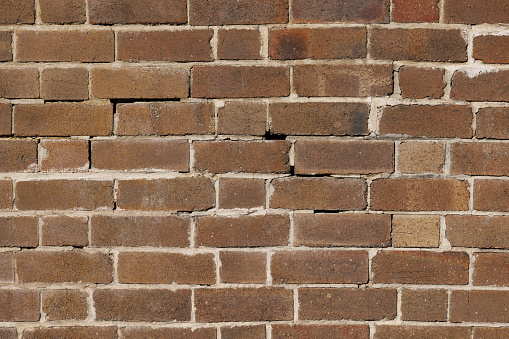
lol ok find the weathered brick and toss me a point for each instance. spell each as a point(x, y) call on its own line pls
point(319, 118)
point(154, 305)
point(491, 269)
point(415, 230)
point(8, 333)
point(320, 331)
point(5, 119)
point(319, 193)
point(6, 196)
point(69, 266)
point(243, 267)
point(164, 231)
point(6, 267)
point(61, 230)
point(343, 157)
point(364, 11)
point(134, 12)
point(491, 332)
point(82, 332)
point(5, 45)
point(18, 155)
point(241, 193)
point(491, 195)
point(240, 81)
point(239, 44)
point(61, 194)
point(487, 158)
point(492, 48)
point(476, 11)
point(168, 332)
point(421, 332)
point(242, 156)
point(477, 84)
point(243, 304)
point(247, 332)
point(64, 84)
point(19, 305)
point(421, 157)
point(420, 82)
point(492, 123)
point(19, 83)
point(347, 303)
point(244, 118)
point(63, 11)
point(189, 45)
point(64, 155)
point(478, 231)
point(420, 267)
point(409, 194)
point(19, 231)
point(479, 306)
point(343, 80)
point(182, 194)
point(415, 10)
point(64, 304)
point(17, 12)
point(243, 231)
point(424, 305)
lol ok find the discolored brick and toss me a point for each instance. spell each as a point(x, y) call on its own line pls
point(323, 11)
point(487, 158)
point(491, 48)
point(19, 83)
point(64, 84)
point(6, 267)
point(424, 305)
point(421, 332)
point(63, 11)
point(246, 332)
point(478, 231)
point(244, 118)
point(5, 119)
point(491, 269)
point(19, 231)
point(17, 12)
point(6, 197)
point(134, 12)
point(239, 44)
point(492, 122)
point(491, 195)
point(476, 11)
point(421, 157)
point(64, 155)
point(479, 306)
point(476, 84)
point(415, 10)
point(82, 332)
point(19, 305)
point(415, 230)
point(61, 230)
point(420, 82)
point(241, 193)
point(320, 331)
point(5, 45)
point(65, 304)
point(168, 332)
point(243, 267)
point(18, 155)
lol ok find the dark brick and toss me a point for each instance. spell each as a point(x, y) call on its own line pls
point(244, 118)
point(135, 12)
point(492, 49)
point(480, 84)
point(476, 11)
point(63, 11)
point(362, 11)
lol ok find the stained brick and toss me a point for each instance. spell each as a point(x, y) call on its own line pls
point(420, 82)
point(241, 193)
point(415, 10)
point(487, 158)
point(82, 332)
point(239, 44)
point(17, 12)
point(64, 155)
point(479, 306)
point(61, 230)
point(492, 122)
point(478, 231)
point(421, 332)
point(491, 269)
point(65, 304)
point(19, 305)
point(134, 12)
point(245, 118)
point(477, 84)
point(19, 83)
point(492, 49)
point(63, 11)
point(491, 195)
point(243, 267)
point(424, 305)
point(64, 84)
point(476, 11)
point(364, 11)
point(19, 231)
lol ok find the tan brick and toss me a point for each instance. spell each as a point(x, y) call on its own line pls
point(65, 304)
point(487, 158)
point(419, 82)
point(424, 305)
point(241, 193)
point(320, 331)
point(491, 332)
point(421, 157)
point(6, 197)
point(477, 84)
point(245, 118)
point(421, 332)
point(168, 332)
point(64, 84)
point(134, 12)
point(243, 267)
point(415, 10)
point(64, 155)
point(5, 119)
point(491, 269)
point(19, 231)
point(19, 305)
point(17, 12)
point(491, 195)
point(478, 231)
point(239, 44)
point(18, 155)
point(479, 306)
point(19, 83)
point(63, 11)
point(61, 230)
point(5, 45)
point(82, 332)
point(6, 267)
point(246, 332)
point(476, 11)
point(492, 122)
point(415, 230)
point(363, 11)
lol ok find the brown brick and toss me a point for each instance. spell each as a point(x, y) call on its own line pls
point(476, 11)
point(319, 118)
point(421, 332)
point(242, 156)
point(478, 84)
point(18, 231)
point(364, 11)
point(343, 157)
point(64, 155)
point(64, 84)
point(343, 80)
point(491, 269)
point(188, 45)
point(415, 11)
point(243, 304)
point(8, 333)
point(320, 331)
point(491, 195)
point(326, 230)
point(69, 266)
point(239, 44)
point(64, 195)
point(243, 267)
point(240, 81)
point(420, 267)
point(347, 303)
point(5, 45)
point(135, 12)
point(487, 158)
point(492, 123)
point(492, 49)
point(168, 332)
point(154, 305)
point(6, 197)
point(61, 230)
point(148, 155)
point(140, 83)
point(182, 194)
point(241, 12)
point(165, 118)
point(491, 332)
point(478, 231)
point(317, 43)
point(19, 305)
point(82, 332)
point(421, 157)
point(245, 118)
point(65, 304)
point(164, 231)
point(241, 193)
point(17, 12)
point(166, 268)
point(419, 82)
point(479, 306)
point(424, 305)
point(19, 83)
point(18, 155)
point(63, 11)
point(243, 231)
point(63, 119)
point(319, 193)
point(5, 119)
point(415, 230)
point(319, 267)
point(245, 332)
point(6, 267)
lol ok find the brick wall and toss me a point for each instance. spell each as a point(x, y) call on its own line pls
point(254, 169)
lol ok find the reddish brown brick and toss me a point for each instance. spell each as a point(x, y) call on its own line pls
point(319, 193)
point(243, 231)
point(6, 267)
point(243, 267)
point(64, 84)
point(61, 230)
point(245, 118)
point(419, 82)
point(19, 305)
point(6, 196)
point(424, 305)
point(241, 193)
point(415, 230)
point(140, 83)
point(487, 158)
point(491, 269)
point(64, 304)
point(320, 331)
point(243, 304)
point(476, 11)
point(168, 332)
point(246, 332)
point(491, 332)
point(347, 303)
point(63, 119)
point(82, 332)
point(63, 11)
point(5, 119)
point(154, 305)
point(415, 11)
point(242, 156)
point(343, 80)
point(420, 267)
point(64, 194)
point(421, 332)
point(317, 43)
point(478, 231)
point(18, 155)
point(64, 155)
point(18, 231)
point(68, 266)
point(134, 12)
point(189, 45)
point(319, 118)
point(479, 306)
point(492, 49)
point(19, 83)
point(5, 45)
point(8, 333)
point(239, 44)
point(491, 195)
point(17, 12)
point(364, 11)
point(319, 267)
point(421, 157)
point(492, 122)
point(477, 84)
point(182, 194)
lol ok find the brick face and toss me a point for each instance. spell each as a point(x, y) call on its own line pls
point(133, 12)
point(473, 85)
point(63, 11)
point(478, 231)
point(323, 11)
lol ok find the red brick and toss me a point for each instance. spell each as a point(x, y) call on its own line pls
point(243, 267)
point(6, 267)
point(182, 194)
point(241, 193)
point(61, 230)
point(165, 118)
point(347, 303)
point(491, 332)
point(326, 230)
point(5, 45)
point(491, 269)
point(421, 332)
point(140, 83)
point(5, 119)
point(478, 231)
point(245, 332)
point(8, 333)
point(492, 122)
point(168, 332)
point(239, 44)
point(241, 12)
point(420, 267)
point(415, 11)
point(363, 11)
point(189, 45)
point(64, 155)
point(18, 155)
point(17, 12)
point(113, 231)
point(242, 156)
point(320, 331)
point(19, 83)
point(63, 119)
point(421, 157)
point(479, 306)
point(65, 304)
point(64, 84)
point(487, 158)
point(491, 195)
point(64, 195)
point(147, 155)
point(19, 231)
point(154, 305)
point(319, 267)
point(19, 305)
point(244, 118)
point(343, 80)
point(59, 267)
point(135, 12)
point(480, 84)
point(63, 11)
point(82, 332)
point(6, 197)
point(319, 118)
point(243, 304)
point(420, 82)
point(319, 193)
point(476, 11)
point(424, 305)
point(317, 43)
point(492, 49)
point(243, 231)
